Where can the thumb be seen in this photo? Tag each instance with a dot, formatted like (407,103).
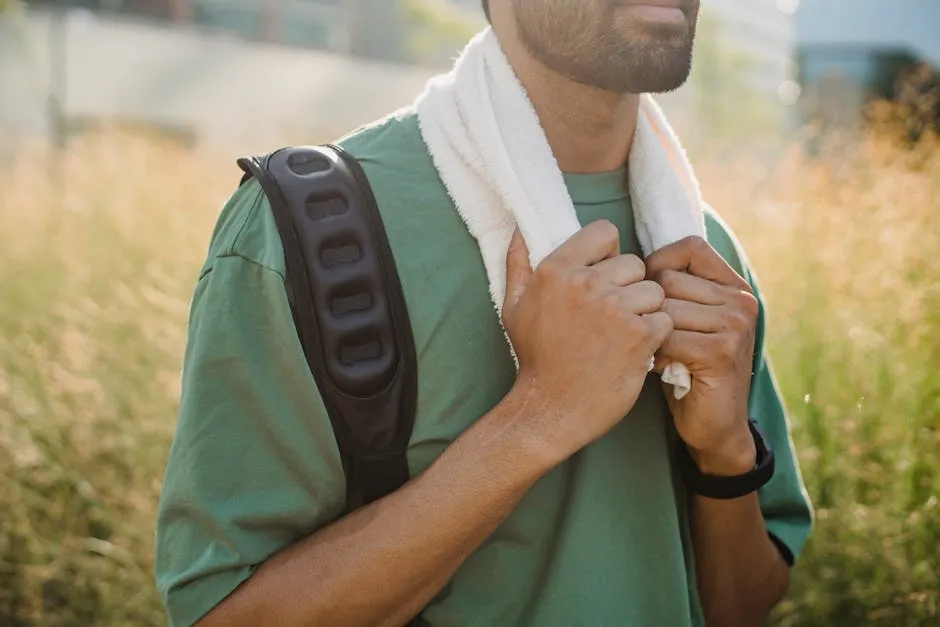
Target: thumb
(518,271)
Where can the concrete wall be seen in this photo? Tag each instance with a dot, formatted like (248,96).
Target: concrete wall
(221,89)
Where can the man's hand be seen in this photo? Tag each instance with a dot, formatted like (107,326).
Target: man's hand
(740,573)
(584,326)
(714,313)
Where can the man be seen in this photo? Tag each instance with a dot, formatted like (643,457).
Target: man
(549,498)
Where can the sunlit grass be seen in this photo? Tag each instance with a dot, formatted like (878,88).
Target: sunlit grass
(846,251)
(99,252)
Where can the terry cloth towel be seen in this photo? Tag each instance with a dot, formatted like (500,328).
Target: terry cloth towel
(492,155)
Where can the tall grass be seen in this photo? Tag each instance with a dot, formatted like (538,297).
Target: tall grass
(96,269)
(99,252)
(846,251)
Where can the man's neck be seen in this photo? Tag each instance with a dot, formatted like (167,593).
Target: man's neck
(588,129)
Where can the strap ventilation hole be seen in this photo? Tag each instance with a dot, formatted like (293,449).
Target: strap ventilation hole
(352,354)
(344,305)
(339,252)
(304,163)
(320,205)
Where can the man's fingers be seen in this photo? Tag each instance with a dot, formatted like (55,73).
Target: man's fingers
(690,316)
(518,271)
(695,256)
(660,325)
(591,244)
(686,347)
(645,297)
(679,285)
(621,270)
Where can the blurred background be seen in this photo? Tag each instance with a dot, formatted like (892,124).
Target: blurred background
(813,126)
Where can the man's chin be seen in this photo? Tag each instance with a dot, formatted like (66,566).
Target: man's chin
(664,85)
(651,79)
(658,69)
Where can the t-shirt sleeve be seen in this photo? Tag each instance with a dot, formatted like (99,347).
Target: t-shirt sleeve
(253,466)
(784,501)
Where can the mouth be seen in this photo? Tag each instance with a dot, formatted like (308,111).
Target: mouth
(663,11)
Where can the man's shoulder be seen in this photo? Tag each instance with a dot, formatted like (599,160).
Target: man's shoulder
(395,134)
(243,229)
(417,211)
(398,166)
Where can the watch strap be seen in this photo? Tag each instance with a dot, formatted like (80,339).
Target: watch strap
(730,487)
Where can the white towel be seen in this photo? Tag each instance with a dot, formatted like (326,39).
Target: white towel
(492,155)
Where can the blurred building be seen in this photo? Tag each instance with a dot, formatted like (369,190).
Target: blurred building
(172,60)
(211,78)
(369,28)
(849,52)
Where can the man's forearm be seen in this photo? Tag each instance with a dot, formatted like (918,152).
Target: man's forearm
(382,564)
(741,574)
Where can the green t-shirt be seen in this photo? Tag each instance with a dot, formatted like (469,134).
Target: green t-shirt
(601,540)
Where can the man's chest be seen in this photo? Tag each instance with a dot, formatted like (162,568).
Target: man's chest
(465,366)
(584,535)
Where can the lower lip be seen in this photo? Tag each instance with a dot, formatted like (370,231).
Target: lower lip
(657,13)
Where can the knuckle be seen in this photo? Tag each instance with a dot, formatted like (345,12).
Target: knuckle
(635,264)
(696,243)
(726,347)
(750,306)
(607,229)
(657,326)
(737,321)
(743,309)
(657,293)
(663,322)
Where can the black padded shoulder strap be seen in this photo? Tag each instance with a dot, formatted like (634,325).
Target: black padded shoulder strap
(348,308)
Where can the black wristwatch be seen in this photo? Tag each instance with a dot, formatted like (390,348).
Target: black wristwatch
(721,487)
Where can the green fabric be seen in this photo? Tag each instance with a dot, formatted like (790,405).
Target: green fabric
(601,540)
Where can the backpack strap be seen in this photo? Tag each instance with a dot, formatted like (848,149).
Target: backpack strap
(348,307)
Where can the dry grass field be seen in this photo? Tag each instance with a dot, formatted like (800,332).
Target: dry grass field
(99,251)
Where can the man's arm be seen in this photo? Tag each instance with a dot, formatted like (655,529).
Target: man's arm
(741,572)
(381,565)
(246,532)
(731,537)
